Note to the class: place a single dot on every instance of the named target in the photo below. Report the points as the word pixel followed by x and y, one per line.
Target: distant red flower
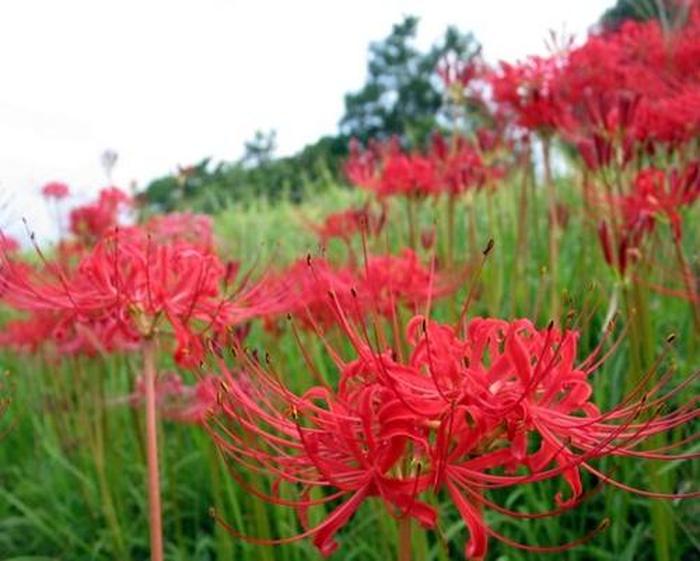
pixel 451 166
pixel 68 334
pixel 55 190
pixel 661 194
pixel 348 223
pixel 92 221
pixel 459 73
pixel 459 164
pixel 388 171
pixel 636 85
pixel 529 90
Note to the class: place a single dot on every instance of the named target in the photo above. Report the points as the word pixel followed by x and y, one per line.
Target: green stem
pixel 519 282
pixel 553 229
pixel 411 210
pixel 642 358
pixel 108 507
pixel 450 229
pixel 689 280
pixel 473 241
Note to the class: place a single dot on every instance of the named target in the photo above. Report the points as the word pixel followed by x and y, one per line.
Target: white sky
pixel 167 82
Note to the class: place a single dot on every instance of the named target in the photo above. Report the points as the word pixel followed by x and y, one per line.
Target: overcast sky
pixel 167 82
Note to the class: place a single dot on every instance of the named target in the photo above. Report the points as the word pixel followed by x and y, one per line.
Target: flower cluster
pixel 450 167
pixel 376 286
pixel 504 404
pixel 90 222
pixel 638 81
pixel 124 290
pixel 346 224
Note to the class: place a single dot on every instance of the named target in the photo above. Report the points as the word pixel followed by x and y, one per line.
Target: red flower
pixel 659 194
pixel 459 164
pixel 92 221
pixel 451 167
pixel 324 440
pixel 504 405
pixel 346 224
pixel 387 171
pixel 529 90
pixel 377 286
pixel 55 190
pixel 127 287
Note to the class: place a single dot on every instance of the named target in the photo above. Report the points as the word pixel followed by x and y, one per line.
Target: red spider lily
pixel 55 190
pixel 504 405
pixel 411 175
pixel 654 195
pixel 655 71
pixel 387 171
pixel 529 91
pixel 389 279
pixel 92 221
pixel 127 286
pixel 661 194
pixel 608 136
pixel 304 286
pixel 459 165
pixel 377 286
pixel 27 334
pixel 131 282
pixel 346 224
pixel 321 440
pixel 450 167
pixel 67 334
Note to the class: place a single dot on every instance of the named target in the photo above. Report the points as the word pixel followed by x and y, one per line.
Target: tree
pixel 402 95
pixel 261 149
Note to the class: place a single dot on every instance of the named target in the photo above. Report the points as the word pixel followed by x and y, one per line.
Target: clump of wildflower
pixel 488 405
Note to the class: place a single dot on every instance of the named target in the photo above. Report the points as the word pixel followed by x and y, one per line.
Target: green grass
pixel 72 467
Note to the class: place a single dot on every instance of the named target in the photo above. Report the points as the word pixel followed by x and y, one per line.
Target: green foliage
pixel 206 188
